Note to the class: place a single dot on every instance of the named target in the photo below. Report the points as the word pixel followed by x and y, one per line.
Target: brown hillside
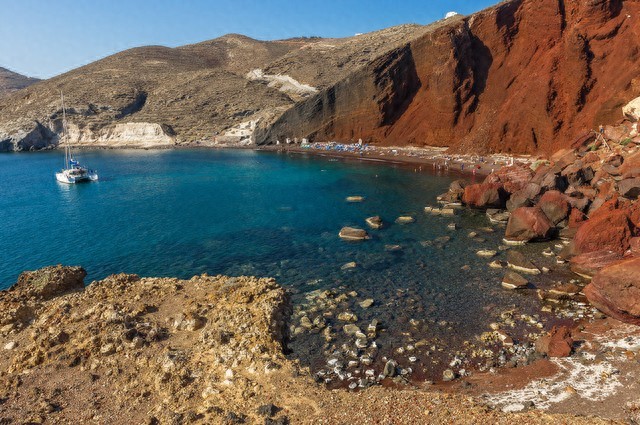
pixel 524 76
pixel 193 92
pixel 12 81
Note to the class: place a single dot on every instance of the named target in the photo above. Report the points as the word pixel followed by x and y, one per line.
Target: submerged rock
pixel 353 234
pixel 374 222
pixel 517 261
pixel 356 198
pixel 513 280
pixel 405 219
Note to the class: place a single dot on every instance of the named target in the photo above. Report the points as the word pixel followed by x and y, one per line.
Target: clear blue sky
pixel 43 38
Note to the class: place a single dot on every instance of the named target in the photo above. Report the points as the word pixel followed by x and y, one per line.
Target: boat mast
pixel 67 153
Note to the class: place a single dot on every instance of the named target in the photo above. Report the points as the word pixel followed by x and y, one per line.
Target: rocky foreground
pixel 159 350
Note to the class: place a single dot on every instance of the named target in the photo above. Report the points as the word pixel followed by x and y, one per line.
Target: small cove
pixel 186 212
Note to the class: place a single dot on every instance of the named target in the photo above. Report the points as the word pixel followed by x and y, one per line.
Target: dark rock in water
pixel 526 224
pixel 513 280
pixel 615 291
pixel 50 282
pixel 555 206
pixel 374 222
pixel 590 263
pixel 630 188
pixel 353 234
pixel 557 343
pixel 498 216
pixel 517 261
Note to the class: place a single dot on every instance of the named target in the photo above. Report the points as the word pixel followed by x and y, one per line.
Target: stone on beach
pixel 557 343
pixel 349 266
pixel 590 263
pixel 528 223
pixel 513 280
pixel 353 234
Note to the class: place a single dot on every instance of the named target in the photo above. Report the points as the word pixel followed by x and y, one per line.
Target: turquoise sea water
pixel 186 212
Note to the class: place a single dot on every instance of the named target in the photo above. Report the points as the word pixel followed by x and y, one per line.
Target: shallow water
pixel 186 212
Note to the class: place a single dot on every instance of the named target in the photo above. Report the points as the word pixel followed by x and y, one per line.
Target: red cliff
pixel 524 77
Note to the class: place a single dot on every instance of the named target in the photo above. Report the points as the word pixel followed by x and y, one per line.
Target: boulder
pixel 524 197
pixel 50 282
pixel 513 280
pixel 557 343
pixel 590 263
pixel 555 206
pixel 485 195
pixel 577 174
pixel 353 234
pixel 632 110
pixel 512 178
pixel 374 222
pixel 528 223
pixel 615 291
pixel 517 261
pixel 607 229
pixel 629 188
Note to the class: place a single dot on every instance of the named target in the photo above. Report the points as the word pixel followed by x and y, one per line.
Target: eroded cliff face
pixel 525 76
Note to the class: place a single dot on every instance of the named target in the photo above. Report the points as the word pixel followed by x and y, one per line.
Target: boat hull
pixel 63 177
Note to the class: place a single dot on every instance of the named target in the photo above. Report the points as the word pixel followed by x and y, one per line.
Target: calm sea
pixel 186 212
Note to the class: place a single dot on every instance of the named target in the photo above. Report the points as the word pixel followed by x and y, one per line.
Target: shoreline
pixel 434 158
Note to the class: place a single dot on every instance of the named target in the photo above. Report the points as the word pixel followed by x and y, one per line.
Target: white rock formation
pixel 632 110
pixel 284 83
pixel 132 134
pixel 450 15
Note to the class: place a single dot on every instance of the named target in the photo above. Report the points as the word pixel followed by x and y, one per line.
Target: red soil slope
pixel 525 76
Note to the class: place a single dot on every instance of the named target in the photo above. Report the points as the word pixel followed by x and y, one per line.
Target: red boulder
pixel 555 206
pixel 484 195
pixel 608 230
pixel 528 223
pixel 557 343
pixel 615 291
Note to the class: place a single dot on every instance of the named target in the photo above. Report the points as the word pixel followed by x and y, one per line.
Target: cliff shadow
pixel 397 83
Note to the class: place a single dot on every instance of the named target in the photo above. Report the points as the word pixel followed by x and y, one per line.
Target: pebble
pixel 10 345
pixel 355 198
pixel 486 253
pixel 390 369
pixel 366 303
pixel 350 329
pixel 405 219
pixel 347 316
pixel 348 266
pixel 448 375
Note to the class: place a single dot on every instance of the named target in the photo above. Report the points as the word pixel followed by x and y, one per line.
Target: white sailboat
pixel 72 172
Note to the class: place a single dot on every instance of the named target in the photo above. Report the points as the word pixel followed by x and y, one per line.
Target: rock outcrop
pixel 615 291
pixel 207 350
pixel 214 92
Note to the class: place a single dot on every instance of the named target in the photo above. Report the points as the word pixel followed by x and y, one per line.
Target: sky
pixel 44 38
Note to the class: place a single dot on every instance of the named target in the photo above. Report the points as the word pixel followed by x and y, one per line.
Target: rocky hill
pixel 166 351
pixel 524 76
pixel 12 81
pixel 156 95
